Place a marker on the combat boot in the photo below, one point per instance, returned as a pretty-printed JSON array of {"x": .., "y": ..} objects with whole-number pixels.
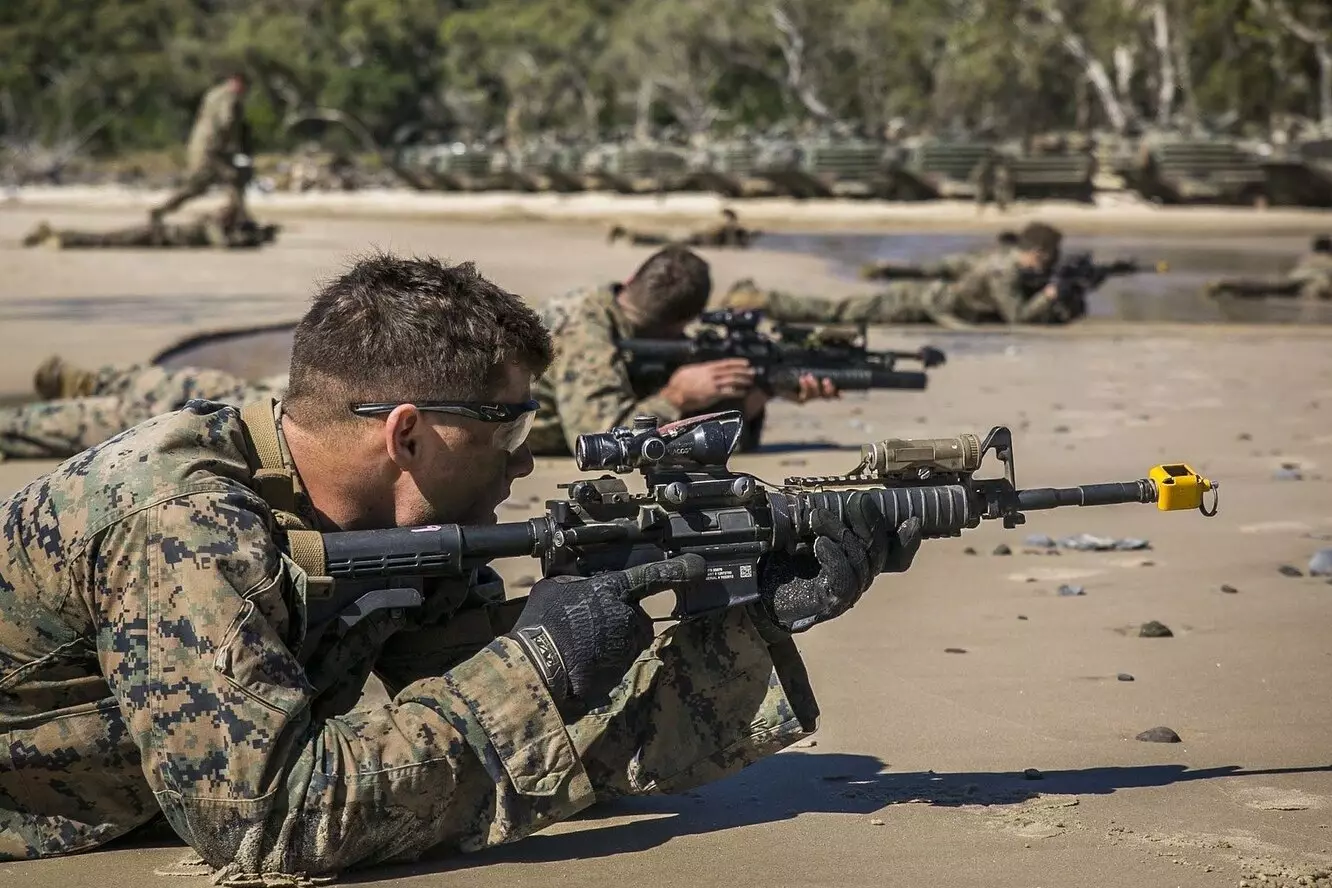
[
  {"x": 745, "y": 295},
  {"x": 38, "y": 235},
  {"x": 55, "y": 380}
]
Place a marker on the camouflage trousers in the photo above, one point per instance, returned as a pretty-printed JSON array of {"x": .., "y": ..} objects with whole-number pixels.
[
  {"x": 121, "y": 398},
  {"x": 906, "y": 302},
  {"x": 1288, "y": 287},
  {"x": 212, "y": 171}
]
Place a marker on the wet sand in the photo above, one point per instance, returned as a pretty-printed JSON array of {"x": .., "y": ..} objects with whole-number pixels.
[{"x": 917, "y": 772}]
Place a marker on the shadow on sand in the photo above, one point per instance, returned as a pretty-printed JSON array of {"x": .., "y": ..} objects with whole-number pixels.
[{"x": 792, "y": 783}]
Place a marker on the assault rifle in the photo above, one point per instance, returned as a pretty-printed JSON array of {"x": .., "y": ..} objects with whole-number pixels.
[
  {"x": 779, "y": 360},
  {"x": 1078, "y": 274},
  {"x": 694, "y": 503}
]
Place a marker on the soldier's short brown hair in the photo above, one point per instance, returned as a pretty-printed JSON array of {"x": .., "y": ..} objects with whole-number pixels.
[
  {"x": 395, "y": 329},
  {"x": 1039, "y": 236},
  {"x": 671, "y": 286}
]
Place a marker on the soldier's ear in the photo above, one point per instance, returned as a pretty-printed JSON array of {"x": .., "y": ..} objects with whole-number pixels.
[{"x": 404, "y": 429}]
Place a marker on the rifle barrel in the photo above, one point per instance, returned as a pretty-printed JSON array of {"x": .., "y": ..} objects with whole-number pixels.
[{"x": 1109, "y": 494}]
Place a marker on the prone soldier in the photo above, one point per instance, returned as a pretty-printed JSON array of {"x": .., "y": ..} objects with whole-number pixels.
[
  {"x": 159, "y": 660},
  {"x": 82, "y": 408},
  {"x": 729, "y": 233},
  {"x": 589, "y": 387},
  {"x": 1008, "y": 287},
  {"x": 1311, "y": 278},
  {"x": 220, "y": 230}
]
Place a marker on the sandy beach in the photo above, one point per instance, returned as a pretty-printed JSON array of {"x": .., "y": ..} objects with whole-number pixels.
[{"x": 919, "y": 772}]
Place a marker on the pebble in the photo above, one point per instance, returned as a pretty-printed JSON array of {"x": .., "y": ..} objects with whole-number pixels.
[
  {"x": 1159, "y": 735},
  {"x": 876, "y": 822},
  {"x": 1287, "y": 570},
  {"x": 806, "y": 744},
  {"x": 955, "y": 650},
  {"x": 1002, "y": 549},
  {"x": 1033, "y": 774},
  {"x": 1022, "y": 616},
  {"x": 969, "y": 551},
  {"x": 524, "y": 582},
  {"x": 1229, "y": 589},
  {"x": 1288, "y": 473},
  {"x": 1068, "y": 591},
  {"x": 1040, "y": 540},
  {"x": 1086, "y": 542},
  {"x": 1244, "y": 436},
  {"x": 794, "y": 462},
  {"x": 1061, "y": 430},
  {"x": 1153, "y": 629},
  {"x": 1146, "y": 564},
  {"x": 1124, "y": 676},
  {"x": 1320, "y": 565}
]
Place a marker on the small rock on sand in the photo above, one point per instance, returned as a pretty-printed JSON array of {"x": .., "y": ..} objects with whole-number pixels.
[
  {"x": 1159, "y": 735},
  {"x": 1153, "y": 629}
]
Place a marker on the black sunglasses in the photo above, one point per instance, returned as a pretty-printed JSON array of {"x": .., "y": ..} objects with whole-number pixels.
[{"x": 470, "y": 409}]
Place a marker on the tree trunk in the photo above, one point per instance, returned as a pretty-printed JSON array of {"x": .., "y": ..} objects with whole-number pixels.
[
  {"x": 513, "y": 123},
  {"x": 1083, "y": 105},
  {"x": 1124, "y": 70},
  {"x": 1093, "y": 69},
  {"x": 1320, "y": 40},
  {"x": 1324, "y": 55},
  {"x": 647, "y": 89},
  {"x": 1184, "y": 69},
  {"x": 1165, "y": 87},
  {"x": 792, "y": 47}
]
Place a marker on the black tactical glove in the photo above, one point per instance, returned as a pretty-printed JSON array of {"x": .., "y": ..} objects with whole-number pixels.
[
  {"x": 800, "y": 591},
  {"x": 583, "y": 633}
]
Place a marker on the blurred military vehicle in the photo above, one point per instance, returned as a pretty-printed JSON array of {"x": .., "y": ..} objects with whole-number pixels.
[
  {"x": 1056, "y": 166},
  {"x": 635, "y": 167},
  {"x": 932, "y": 168},
  {"x": 454, "y": 166},
  {"x": 1300, "y": 174},
  {"x": 1173, "y": 168}
]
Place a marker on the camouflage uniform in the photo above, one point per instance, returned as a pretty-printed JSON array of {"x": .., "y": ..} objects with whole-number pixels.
[
  {"x": 588, "y": 388},
  {"x": 219, "y": 134},
  {"x": 994, "y": 182},
  {"x": 994, "y": 290},
  {"x": 206, "y": 231},
  {"x": 155, "y": 658},
  {"x": 1311, "y": 278},
  {"x": 118, "y": 398},
  {"x": 949, "y": 267},
  {"x": 725, "y": 234}
]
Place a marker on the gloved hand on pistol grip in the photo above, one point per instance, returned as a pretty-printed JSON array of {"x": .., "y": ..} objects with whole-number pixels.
[
  {"x": 583, "y": 633},
  {"x": 801, "y": 591}
]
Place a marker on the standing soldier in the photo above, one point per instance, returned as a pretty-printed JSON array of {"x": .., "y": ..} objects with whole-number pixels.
[{"x": 218, "y": 151}]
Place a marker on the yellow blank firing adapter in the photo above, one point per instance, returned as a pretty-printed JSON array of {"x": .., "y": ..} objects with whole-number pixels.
[{"x": 1180, "y": 487}]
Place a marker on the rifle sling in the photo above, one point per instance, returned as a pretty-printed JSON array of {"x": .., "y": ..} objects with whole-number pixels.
[{"x": 275, "y": 483}]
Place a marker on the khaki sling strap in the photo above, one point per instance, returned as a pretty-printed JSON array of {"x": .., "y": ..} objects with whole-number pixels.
[{"x": 277, "y": 487}]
